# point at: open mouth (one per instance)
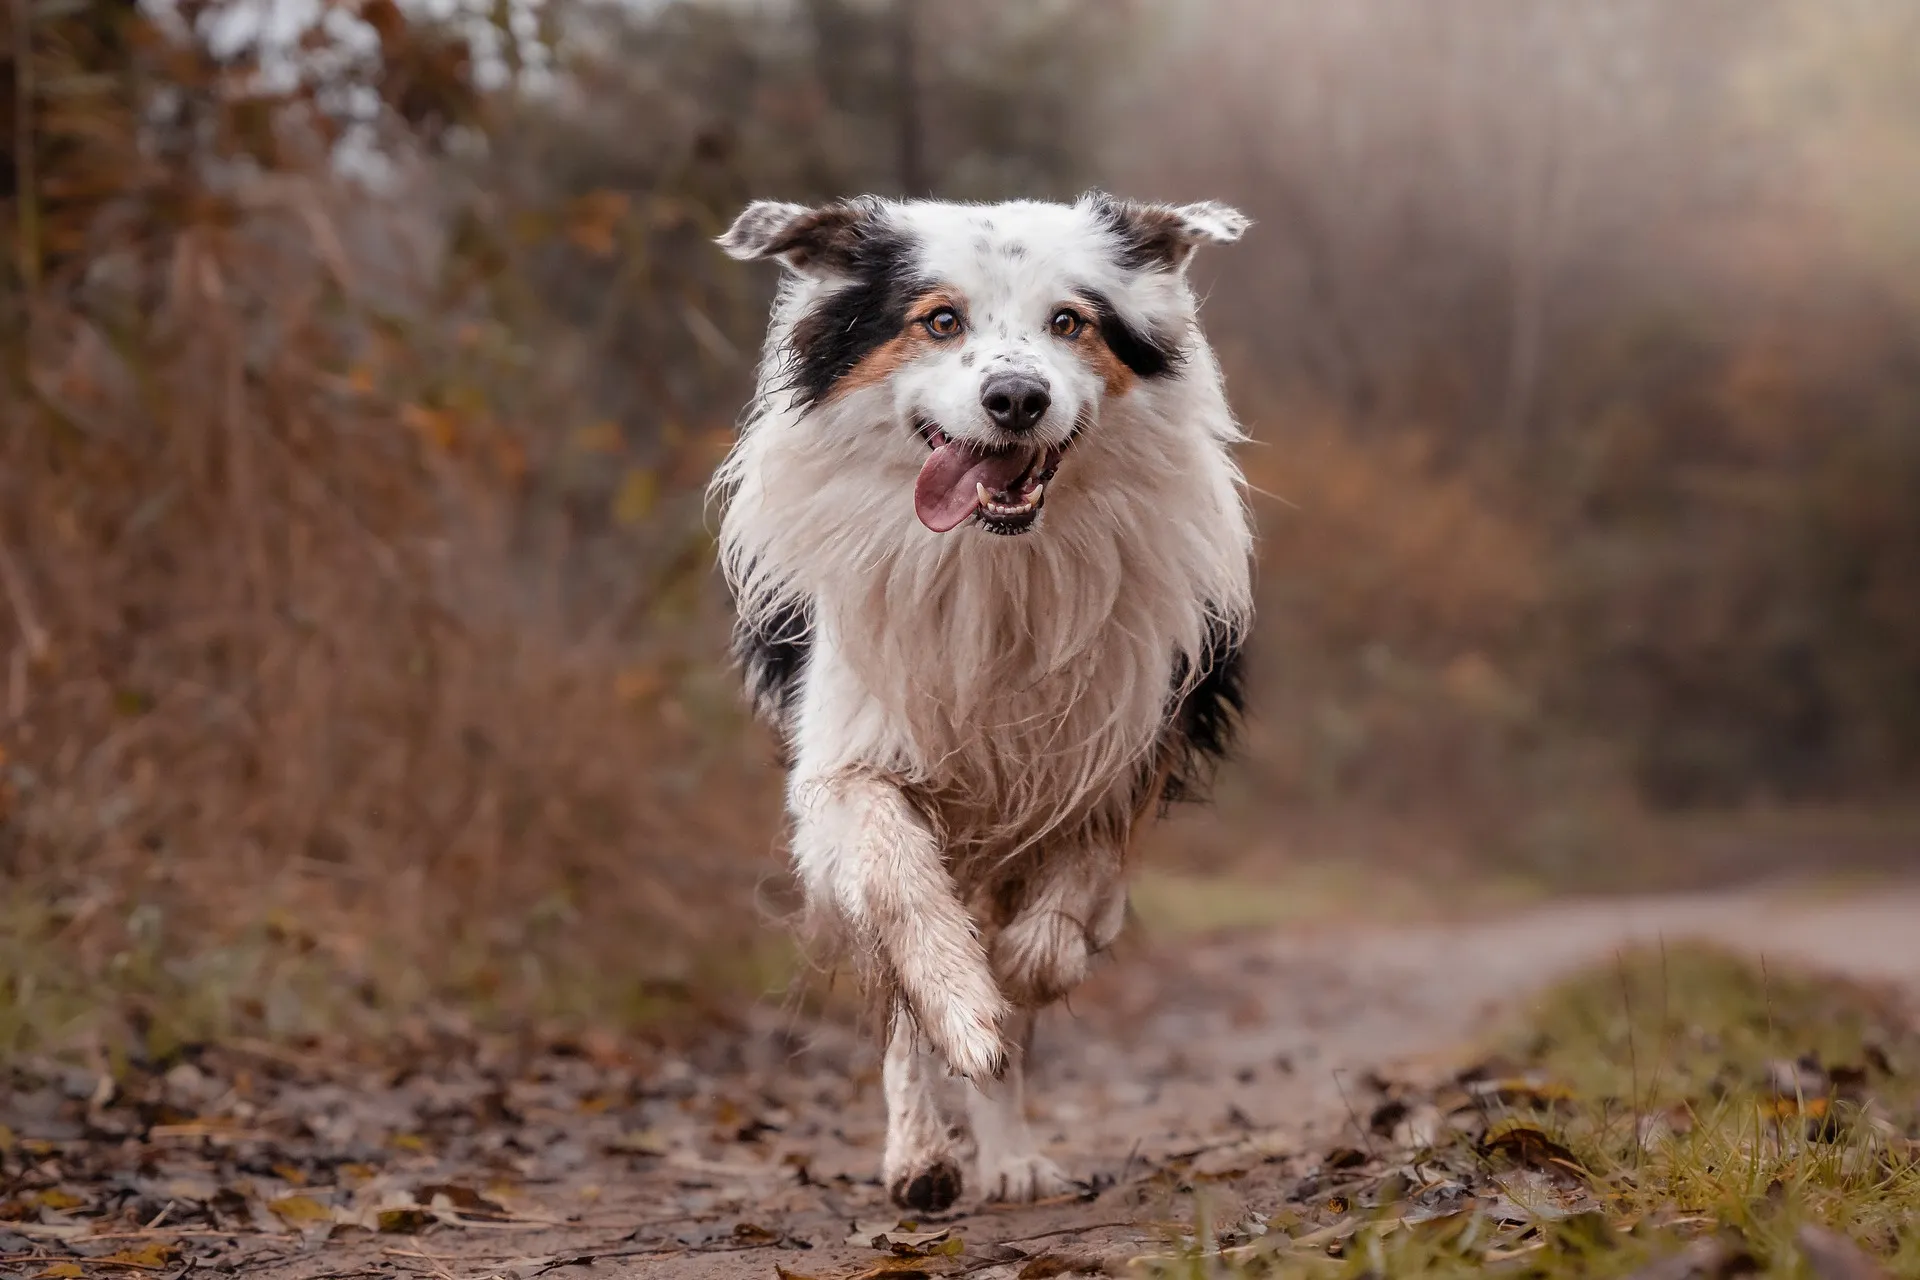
(1000, 488)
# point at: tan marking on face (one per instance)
(912, 342)
(1092, 350)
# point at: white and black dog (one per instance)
(991, 558)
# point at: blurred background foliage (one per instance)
(365, 365)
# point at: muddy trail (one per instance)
(1243, 1065)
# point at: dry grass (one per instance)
(321, 694)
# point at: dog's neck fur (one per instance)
(1019, 683)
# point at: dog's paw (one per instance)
(1041, 957)
(965, 1028)
(1021, 1178)
(931, 1187)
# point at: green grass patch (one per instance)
(1679, 1113)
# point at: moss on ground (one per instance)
(1681, 1112)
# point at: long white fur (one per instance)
(1013, 686)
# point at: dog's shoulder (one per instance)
(772, 648)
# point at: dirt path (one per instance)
(1218, 1061)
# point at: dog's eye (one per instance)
(1067, 323)
(943, 323)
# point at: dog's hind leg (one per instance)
(919, 1168)
(1011, 1166)
(860, 845)
(1071, 912)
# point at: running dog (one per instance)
(991, 559)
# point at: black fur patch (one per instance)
(1151, 238)
(866, 313)
(1205, 723)
(773, 658)
(1148, 354)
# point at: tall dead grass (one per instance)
(286, 644)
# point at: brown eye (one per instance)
(1067, 323)
(943, 323)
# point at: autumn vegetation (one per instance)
(359, 638)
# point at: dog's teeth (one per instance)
(1033, 499)
(981, 490)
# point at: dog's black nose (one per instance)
(1015, 401)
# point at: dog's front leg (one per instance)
(919, 1169)
(861, 846)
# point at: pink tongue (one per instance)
(945, 494)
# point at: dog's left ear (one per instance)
(822, 241)
(1165, 235)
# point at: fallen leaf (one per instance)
(1786, 1108)
(300, 1211)
(895, 1267)
(754, 1233)
(1049, 1265)
(864, 1232)
(404, 1220)
(60, 1271)
(58, 1200)
(465, 1199)
(638, 1142)
(1541, 1178)
(1524, 1145)
(1531, 1090)
(919, 1244)
(156, 1255)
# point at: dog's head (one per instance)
(988, 338)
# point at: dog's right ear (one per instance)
(823, 241)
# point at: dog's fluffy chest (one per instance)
(1018, 692)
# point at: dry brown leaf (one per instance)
(918, 1244)
(156, 1256)
(464, 1199)
(754, 1233)
(638, 1142)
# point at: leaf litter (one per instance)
(1732, 1129)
